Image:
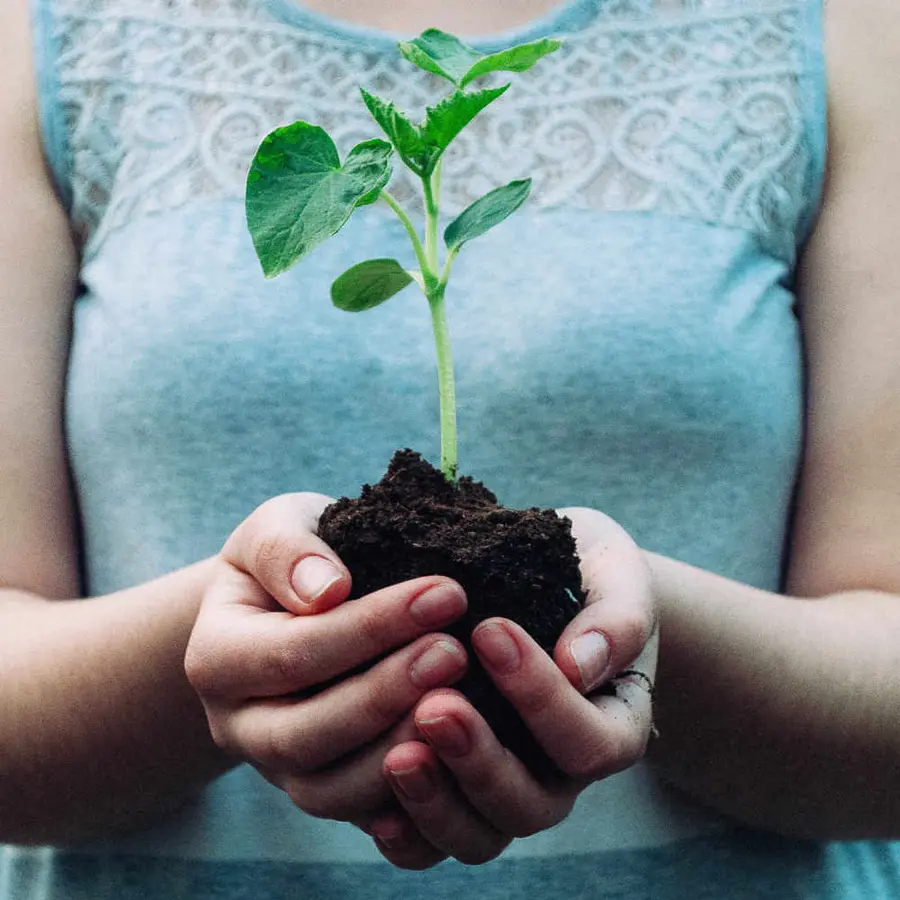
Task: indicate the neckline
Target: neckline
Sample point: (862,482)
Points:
(567,15)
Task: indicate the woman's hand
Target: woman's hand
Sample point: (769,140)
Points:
(273,645)
(466,796)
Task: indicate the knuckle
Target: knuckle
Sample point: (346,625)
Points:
(282,747)
(386,699)
(221,733)
(538,699)
(329,805)
(591,765)
(285,511)
(243,536)
(540,818)
(526,825)
(634,631)
(272,510)
(290,665)
(586,768)
(483,852)
(200,667)
(604,759)
(318,804)
(270,555)
(373,623)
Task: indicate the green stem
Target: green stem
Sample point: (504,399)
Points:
(432,188)
(446,384)
(435,293)
(410,230)
(436,178)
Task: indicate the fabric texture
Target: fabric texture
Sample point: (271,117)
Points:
(626,341)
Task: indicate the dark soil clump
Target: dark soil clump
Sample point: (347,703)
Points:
(519,564)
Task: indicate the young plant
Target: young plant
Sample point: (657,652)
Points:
(299,193)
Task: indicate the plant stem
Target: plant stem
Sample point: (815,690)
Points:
(446,384)
(436,285)
(410,230)
(432,188)
(436,180)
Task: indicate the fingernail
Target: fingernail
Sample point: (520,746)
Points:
(312,576)
(438,606)
(416,784)
(439,664)
(497,648)
(591,655)
(446,734)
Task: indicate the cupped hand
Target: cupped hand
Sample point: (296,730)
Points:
(464,795)
(310,690)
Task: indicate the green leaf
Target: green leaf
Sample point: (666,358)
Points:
(515,59)
(447,56)
(441,54)
(368,284)
(445,121)
(486,212)
(406,137)
(299,194)
(371,161)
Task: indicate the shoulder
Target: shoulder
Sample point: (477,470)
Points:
(19,130)
(862,45)
(862,49)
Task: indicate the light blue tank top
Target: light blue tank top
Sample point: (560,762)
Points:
(627,341)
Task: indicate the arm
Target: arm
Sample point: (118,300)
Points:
(99,729)
(779,710)
(86,688)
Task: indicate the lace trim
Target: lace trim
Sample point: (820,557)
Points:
(687,107)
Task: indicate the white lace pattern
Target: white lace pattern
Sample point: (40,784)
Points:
(687,107)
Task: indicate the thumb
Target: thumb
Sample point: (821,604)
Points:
(278,547)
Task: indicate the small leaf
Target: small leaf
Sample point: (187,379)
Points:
(445,121)
(515,59)
(299,195)
(368,284)
(486,212)
(441,54)
(369,162)
(406,137)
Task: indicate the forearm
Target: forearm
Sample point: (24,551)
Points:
(99,727)
(780,711)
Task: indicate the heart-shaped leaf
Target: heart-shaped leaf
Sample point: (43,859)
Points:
(515,59)
(368,284)
(441,54)
(299,194)
(445,121)
(486,212)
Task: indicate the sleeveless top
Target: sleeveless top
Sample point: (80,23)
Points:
(627,341)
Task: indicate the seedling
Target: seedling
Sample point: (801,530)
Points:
(299,194)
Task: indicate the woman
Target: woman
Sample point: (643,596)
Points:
(635,343)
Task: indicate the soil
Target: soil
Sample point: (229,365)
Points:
(519,564)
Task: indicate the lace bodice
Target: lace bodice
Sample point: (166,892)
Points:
(685,107)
